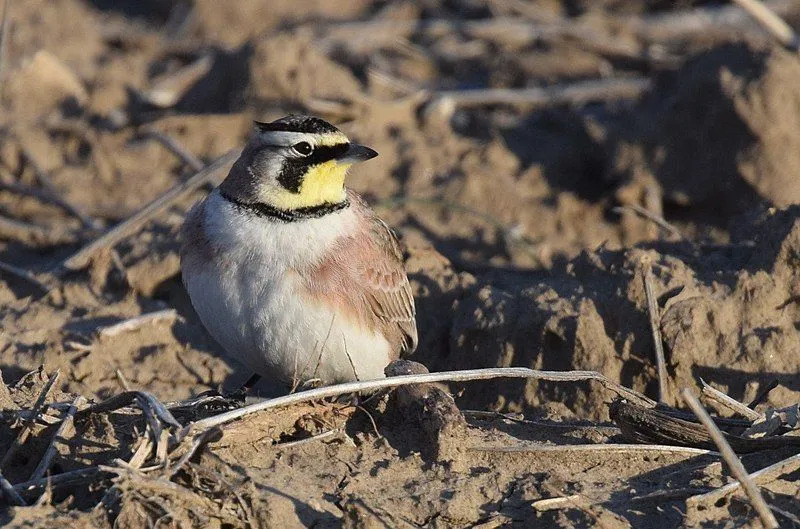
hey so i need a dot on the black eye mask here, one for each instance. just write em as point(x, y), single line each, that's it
point(294, 169)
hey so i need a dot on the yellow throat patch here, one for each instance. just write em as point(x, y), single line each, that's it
point(323, 183)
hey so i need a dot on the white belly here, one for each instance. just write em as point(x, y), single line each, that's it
point(252, 304)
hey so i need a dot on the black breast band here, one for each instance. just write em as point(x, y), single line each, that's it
point(263, 210)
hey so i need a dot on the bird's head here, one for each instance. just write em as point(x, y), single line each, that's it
point(294, 163)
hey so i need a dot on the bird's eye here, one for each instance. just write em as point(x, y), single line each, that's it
point(304, 148)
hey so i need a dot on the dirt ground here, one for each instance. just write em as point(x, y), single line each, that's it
point(523, 248)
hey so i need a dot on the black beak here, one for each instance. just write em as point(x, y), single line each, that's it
point(358, 153)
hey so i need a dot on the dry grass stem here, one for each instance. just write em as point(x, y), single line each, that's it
point(662, 495)
point(688, 23)
point(3, 45)
point(446, 376)
point(23, 274)
point(136, 461)
point(786, 514)
point(600, 516)
point(735, 464)
point(53, 195)
point(49, 454)
point(12, 496)
point(576, 94)
point(297, 378)
point(175, 148)
point(771, 22)
point(655, 328)
point(168, 90)
point(140, 218)
point(764, 475)
point(131, 324)
point(153, 410)
point(32, 233)
point(649, 215)
point(624, 448)
point(551, 504)
point(763, 394)
point(142, 452)
point(610, 430)
point(299, 442)
point(681, 24)
point(162, 448)
point(729, 402)
point(350, 359)
point(197, 443)
point(123, 381)
point(42, 196)
point(38, 406)
point(30, 488)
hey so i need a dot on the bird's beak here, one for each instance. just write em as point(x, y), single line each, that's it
point(357, 153)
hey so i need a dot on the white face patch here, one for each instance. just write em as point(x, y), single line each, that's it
point(287, 139)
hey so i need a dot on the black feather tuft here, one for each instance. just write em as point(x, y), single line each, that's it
point(296, 123)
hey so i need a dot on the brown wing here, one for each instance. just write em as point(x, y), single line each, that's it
point(386, 288)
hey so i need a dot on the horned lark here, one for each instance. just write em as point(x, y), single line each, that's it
point(290, 271)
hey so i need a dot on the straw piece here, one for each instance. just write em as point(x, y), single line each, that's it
point(734, 463)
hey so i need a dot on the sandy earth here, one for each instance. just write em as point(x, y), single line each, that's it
point(515, 250)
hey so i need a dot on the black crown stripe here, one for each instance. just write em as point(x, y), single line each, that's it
point(308, 124)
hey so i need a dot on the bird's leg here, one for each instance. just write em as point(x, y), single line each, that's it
point(221, 398)
point(249, 383)
point(239, 394)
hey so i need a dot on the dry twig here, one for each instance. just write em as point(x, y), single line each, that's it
point(24, 274)
point(141, 453)
point(131, 324)
point(671, 26)
point(175, 148)
point(623, 448)
point(575, 93)
point(649, 215)
point(30, 488)
point(734, 463)
point(137, 220)
point(152, 409)
point(729, 402)
point(318, 437)
point(52, 195)
point(771, 22)
point(27, 232)
point(786, 514)
point(12, 496)
point(122, 380)
point(550, 504)
point(12, 186)
point(136, 461)
point(655, 328)
point(38, 406)
point(688, 23)
point(670, 494)
point(764, 475)
point(446, 376)
point(168, 90)
point(484, 414)
point(197, 443)
point(763, 394)
point(47, 458)
point(668, 426)
point(3, 43)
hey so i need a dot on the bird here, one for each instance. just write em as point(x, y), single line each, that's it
point(289, 270)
